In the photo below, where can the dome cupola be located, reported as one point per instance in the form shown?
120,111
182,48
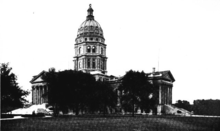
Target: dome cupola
90,47
90,27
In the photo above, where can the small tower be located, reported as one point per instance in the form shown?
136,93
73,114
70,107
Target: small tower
90,47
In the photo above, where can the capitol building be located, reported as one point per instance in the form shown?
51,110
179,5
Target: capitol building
90,57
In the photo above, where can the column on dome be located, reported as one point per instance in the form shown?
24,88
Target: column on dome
90,61
83,62
98,49
98,63
84,49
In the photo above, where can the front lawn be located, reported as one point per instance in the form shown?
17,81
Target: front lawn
113,123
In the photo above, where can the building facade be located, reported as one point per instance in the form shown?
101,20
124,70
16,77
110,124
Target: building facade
39,89
90,57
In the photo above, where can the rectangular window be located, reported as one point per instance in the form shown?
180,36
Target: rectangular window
93,63
88,63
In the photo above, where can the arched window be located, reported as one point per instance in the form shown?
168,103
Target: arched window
85,39
79,50
97,39
93,63
88,49
93,49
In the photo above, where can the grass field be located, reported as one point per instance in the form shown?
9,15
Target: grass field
113,123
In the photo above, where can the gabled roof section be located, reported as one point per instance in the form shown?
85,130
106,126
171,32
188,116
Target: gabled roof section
166,75
37,78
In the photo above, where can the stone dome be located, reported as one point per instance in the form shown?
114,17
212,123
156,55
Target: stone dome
90,26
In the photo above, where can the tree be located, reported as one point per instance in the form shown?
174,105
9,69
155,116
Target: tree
51,79
183,104
12,96
135,90
207,107
106,97
69,88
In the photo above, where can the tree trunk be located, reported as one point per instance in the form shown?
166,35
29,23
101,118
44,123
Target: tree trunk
104,109
77,109
133,108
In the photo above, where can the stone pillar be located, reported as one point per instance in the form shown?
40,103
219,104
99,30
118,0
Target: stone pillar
36,95
43,90
165,95
160,94
34,100
171,97
168,95
39,95
84,63
32,94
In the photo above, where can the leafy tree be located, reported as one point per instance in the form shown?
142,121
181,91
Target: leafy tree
12,96
183,104
106,96
69,88
135,90
51,79
207,107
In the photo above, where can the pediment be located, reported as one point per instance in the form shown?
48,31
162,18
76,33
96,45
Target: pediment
37,78
168,76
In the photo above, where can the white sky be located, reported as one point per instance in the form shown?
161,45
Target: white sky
184,35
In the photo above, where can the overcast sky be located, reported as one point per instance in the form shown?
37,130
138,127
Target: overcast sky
182,36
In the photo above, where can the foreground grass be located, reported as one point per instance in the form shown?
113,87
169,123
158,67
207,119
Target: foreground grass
113,123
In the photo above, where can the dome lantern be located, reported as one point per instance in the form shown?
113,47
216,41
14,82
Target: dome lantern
90,13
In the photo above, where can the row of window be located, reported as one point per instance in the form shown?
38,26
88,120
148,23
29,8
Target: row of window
91,63
90,39
91,49
87,32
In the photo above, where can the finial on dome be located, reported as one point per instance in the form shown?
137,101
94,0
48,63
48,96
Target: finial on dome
90,13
